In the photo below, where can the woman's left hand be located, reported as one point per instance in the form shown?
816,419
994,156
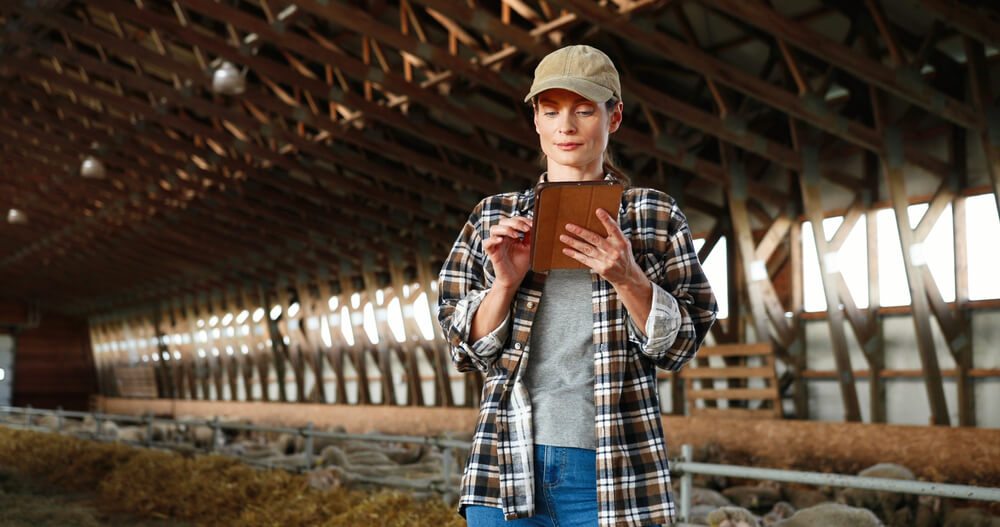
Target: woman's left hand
610,256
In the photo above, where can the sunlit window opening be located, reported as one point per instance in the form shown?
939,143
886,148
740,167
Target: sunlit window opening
3,374
717,273
293,309
324,332
396,320
983,234
851,260
213,321
379,297
345,326
333,303
937,253
258,314
227,319
355,300
242,317
422,314
369,323
275,312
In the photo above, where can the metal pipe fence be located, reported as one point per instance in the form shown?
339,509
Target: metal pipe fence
684,466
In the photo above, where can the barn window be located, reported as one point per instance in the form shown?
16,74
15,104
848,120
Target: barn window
982,234
848,261
717,273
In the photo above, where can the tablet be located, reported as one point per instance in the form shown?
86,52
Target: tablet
557,204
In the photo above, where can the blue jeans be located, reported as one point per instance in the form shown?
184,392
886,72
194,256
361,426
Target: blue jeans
565,492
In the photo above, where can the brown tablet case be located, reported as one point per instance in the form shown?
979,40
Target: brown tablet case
557,204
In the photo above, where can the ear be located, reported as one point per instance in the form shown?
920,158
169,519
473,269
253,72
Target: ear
615,119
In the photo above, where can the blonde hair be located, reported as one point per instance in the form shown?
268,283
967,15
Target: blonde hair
609,166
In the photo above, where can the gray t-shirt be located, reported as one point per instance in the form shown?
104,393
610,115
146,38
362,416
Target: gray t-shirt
559,372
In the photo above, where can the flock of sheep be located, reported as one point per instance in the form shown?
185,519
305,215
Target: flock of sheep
432,471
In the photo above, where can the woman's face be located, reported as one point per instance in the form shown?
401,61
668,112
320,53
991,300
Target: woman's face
573,131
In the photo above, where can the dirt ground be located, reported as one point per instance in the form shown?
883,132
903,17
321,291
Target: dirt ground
26,503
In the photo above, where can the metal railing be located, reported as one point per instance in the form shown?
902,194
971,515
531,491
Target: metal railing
684,466
688,468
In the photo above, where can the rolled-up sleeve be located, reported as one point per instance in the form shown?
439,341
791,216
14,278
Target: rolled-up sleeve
662,324
684,307
461,289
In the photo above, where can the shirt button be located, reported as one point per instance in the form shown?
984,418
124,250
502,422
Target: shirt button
530,305
517,345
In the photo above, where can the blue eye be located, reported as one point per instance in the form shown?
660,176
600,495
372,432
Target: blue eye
550,114
586,112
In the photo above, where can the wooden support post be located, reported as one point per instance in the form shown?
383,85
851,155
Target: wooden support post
797,351
809,183
274,343
892,168
763,303
442,362
410,349
875,348
332,351
382,350
985,102
356,353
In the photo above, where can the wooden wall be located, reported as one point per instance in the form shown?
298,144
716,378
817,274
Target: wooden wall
54,365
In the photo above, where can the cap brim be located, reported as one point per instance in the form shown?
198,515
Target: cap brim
589,90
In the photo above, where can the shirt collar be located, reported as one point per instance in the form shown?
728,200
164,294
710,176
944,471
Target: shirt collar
544,177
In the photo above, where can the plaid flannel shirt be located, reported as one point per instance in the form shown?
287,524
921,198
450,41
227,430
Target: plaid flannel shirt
633,479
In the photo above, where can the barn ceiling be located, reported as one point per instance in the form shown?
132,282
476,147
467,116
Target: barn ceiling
368,129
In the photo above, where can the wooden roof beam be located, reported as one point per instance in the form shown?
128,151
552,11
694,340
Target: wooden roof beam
392,119
204,106
976,24
814,113
867,69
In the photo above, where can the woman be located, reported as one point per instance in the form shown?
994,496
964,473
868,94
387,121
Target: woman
569,429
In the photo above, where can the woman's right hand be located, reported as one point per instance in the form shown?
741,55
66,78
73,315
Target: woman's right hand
510,255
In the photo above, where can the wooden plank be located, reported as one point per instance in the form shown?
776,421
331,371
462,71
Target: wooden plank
737,393
739,413
737,372
735,350
982,373
775,235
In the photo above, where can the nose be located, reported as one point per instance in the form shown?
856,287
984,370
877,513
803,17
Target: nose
567,125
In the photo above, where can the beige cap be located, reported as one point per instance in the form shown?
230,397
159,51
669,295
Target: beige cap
582,69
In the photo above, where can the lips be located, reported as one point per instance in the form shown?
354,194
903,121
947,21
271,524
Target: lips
568,146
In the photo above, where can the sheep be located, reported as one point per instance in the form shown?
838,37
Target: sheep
832,515
732,517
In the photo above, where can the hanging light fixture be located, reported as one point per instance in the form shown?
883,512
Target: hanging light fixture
227,80
17,217
92,168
